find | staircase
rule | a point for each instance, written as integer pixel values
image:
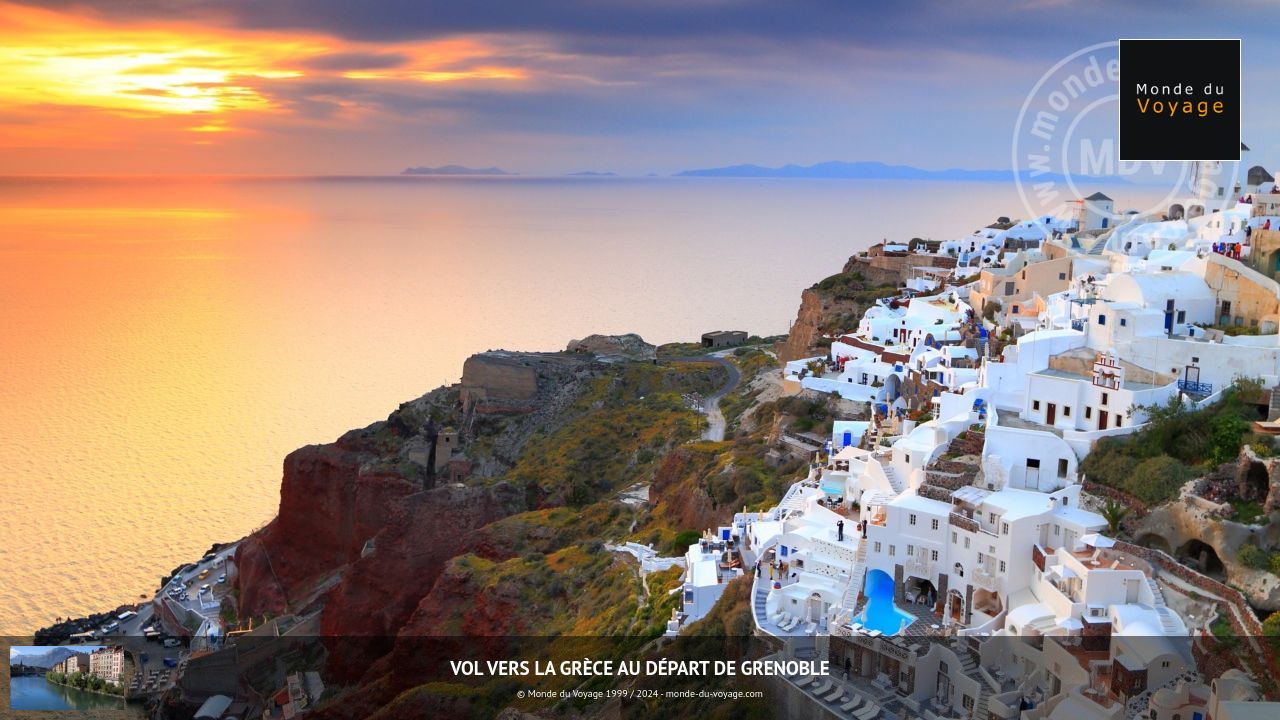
(1157, 593)
(980, 703)
(851, 591)
(1273, 411)
(762, 615)
(894, 481)
(1168, 622)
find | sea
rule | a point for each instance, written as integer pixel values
(165, 342)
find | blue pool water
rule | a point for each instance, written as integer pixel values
(880, 613)
(833, 487)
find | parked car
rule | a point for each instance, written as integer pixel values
(171, 642)
(170, 663)
(222, 578)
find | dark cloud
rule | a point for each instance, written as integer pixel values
(340, 62)
(632, 27)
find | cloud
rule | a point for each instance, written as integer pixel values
(344, 61)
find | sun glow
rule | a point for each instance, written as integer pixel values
(58, 62)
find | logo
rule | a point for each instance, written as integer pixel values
(1180, 100)
(1066, 148)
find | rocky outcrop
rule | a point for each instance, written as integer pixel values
(1197, 537)
(379, 592)
(835, 305)
(614, 347)
(333, 498)
(497, 381)
(686, 503)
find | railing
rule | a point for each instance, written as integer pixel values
(1078, 324)
(1196, 388)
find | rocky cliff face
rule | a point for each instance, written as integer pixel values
(835, 305)
(333, 498)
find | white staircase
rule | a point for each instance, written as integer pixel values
(1156, 593)
(849, 603)
(894, 481)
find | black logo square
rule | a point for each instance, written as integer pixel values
(1180, 99)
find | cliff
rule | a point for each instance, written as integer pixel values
(835, 305)
(400, 571)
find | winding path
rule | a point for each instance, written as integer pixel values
(711, 403)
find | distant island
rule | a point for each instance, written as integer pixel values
(870, 170)
(454, 170)
(591, 173)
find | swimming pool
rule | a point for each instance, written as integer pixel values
(880, 613)
(833, 486)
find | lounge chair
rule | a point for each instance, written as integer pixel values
(823, 686)
(805, 680)
(868, 712)
(835, 694)
(853, 703)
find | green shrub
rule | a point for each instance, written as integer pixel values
(1157, 479)
(683, 540)
(1254, 557)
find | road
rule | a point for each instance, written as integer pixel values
(711, 403)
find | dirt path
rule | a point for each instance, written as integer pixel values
(711, 403)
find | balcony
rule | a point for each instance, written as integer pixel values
(964, 523)
(1195, 388)
(986, 580)
(919, 566)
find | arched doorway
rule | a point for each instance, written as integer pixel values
(955, 605)
(1201, 556)
(1176, 211)
(815, 608)
(1155, 541)
(921, 591)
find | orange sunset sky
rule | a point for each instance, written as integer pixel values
(336, 86)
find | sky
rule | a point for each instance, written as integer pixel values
(537, 87)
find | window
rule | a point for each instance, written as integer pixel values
(966, 543)
(911, 551)
(953, 537)
(1062, 467)
(1057, 530)
(877, 546)
(1035, 404)
(1015, 310)
(1123, 322)
(1182, 317)
(1008, 288)
(1004, 528)
(934, 524)
(912, 519)
(1062, 276)
(893, 550)
(1102, 319)
(1002, 566)
(933, 555)
(1066, 411)
(1118, 419)
(1033, 463)
(1088, 412)
(1105, 397)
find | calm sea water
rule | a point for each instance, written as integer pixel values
(165, 342)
